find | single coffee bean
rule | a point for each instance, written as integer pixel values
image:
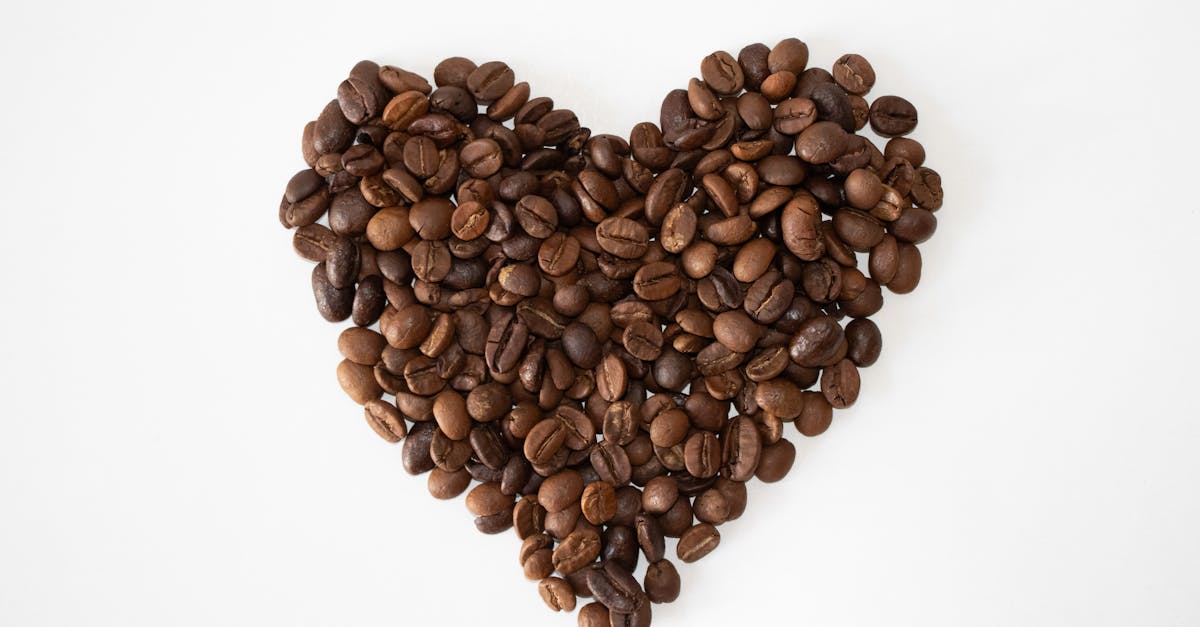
(776, 461)
(620, 547)
(816, 416)
(334, 304)
(557, 594)
(622, 237)
(742, 449)
(816, 342)
(611, 462)
(722, 73)
(702, 455)
(581, 346)
(821, 143)
(616, 588)
(579, 549)
(790, 55)
(892, 116)
(854, 74)
(385, 420)
(927, 189)
(697, 542)
(908, 269)
(561, 490)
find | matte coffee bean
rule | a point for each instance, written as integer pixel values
(662, 582)
(722, 73)
(560, 491)
(832, 104)
(854, 74)
(579, 549)
(892, 116)
(776, 461)
(385, 420)
(697, 542)
(816, 415)
(557, 594)
(821, 143)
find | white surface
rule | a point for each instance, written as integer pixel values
(174, 449)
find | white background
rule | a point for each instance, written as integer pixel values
(174, 449)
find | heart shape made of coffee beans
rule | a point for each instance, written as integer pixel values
(606, 337)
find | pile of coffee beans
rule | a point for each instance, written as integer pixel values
(600, 340)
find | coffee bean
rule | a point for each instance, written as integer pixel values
(385, 419)
(622, 237)
(702, 454)
(544, 441)
(557, 594)
(579, 549)
(817, 341)
(742, 449)
(854, 74)
(790, 55)
(697, 542)
(908, 269)
(561, 490)
(615, 588)
(927, 189)
(581, 346)
(334, 304)
(776, 461)
(599, 502)
(892, 116)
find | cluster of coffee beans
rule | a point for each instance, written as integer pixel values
(561, 325)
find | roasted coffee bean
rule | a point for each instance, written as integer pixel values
(544, 441)
(561, 490)
(581, 346)
(415, 452)
(702, 454)
(722, 73)
(892, 116)
(616, 588)
(334, 304)
(576, 551)
(557, 594)
(742, 449)
(776, 461)
(610, 461)
(697, 542)
(821, 143)
(815, 416)
(386, 420)
(816, 342)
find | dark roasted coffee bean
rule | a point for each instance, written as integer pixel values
(415, 452)
(816, 342)
(927, 189)
(697, 542)
(581, 346)
(333, 304)
(892, 116)
(616, 588)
